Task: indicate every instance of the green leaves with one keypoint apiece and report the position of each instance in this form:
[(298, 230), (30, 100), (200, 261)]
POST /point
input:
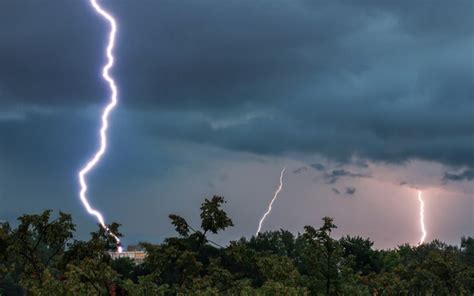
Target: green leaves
[(41, 256), (213, 218), (38, 241), (181, 226)]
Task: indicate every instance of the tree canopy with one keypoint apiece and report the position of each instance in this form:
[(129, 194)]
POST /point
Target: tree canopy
[(40, 256)]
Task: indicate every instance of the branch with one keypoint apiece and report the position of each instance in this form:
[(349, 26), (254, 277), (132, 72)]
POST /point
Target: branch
[(57, 251), (204, 234)]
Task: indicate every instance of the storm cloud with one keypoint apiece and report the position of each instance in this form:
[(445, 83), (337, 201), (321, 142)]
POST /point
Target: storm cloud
[(351, 190), (334, 176), (210, 85), (318, 166), (466, 175), (371, 78)]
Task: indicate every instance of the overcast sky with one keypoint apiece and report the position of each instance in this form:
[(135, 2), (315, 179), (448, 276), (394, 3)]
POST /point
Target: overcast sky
[(362, 101)]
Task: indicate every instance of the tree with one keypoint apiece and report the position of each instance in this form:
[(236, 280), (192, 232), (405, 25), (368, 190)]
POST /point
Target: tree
[(467, 249), (365, 259), (213, 218), (324, 254), (41, 257), (38, 243), (187, 262)]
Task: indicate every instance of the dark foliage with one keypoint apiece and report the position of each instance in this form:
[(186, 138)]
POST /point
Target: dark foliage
[(41, 257)]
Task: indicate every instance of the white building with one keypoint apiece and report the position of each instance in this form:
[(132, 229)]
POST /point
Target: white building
[(132, 253)]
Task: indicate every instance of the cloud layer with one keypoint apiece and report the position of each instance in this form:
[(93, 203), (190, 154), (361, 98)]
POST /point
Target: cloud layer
[(212, 92), (384, 81)]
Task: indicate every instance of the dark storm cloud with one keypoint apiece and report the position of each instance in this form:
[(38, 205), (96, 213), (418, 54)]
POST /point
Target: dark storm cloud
[(300, 170), (361, 163), (318, 166), (335, 175), (383, 80), (39, 144), (351, 190), (466, 175), (49, 52)]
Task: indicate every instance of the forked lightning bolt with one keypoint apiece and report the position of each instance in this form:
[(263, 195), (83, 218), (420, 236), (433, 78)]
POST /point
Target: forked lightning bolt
[(275, 195), (422, 217), (104, 120)]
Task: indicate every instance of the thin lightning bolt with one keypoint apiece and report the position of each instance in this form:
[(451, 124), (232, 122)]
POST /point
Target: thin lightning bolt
[(422, 217), (105, 115), (275, 195)]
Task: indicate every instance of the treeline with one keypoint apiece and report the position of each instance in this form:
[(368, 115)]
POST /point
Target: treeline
[(41, 257)]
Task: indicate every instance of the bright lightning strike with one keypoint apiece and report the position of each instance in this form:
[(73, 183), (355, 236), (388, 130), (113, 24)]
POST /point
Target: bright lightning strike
[(105, 115), (275, 195), (422, 218)]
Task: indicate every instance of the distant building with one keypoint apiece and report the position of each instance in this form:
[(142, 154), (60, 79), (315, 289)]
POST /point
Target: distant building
[(134, 253), (133, 248)]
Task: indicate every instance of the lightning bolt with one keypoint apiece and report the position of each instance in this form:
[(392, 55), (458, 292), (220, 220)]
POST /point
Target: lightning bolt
[(275, 195), (422, 217), (105, 116)]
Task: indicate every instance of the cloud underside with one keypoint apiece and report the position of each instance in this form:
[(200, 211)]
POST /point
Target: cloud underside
[(381, 80), (465, 175)]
